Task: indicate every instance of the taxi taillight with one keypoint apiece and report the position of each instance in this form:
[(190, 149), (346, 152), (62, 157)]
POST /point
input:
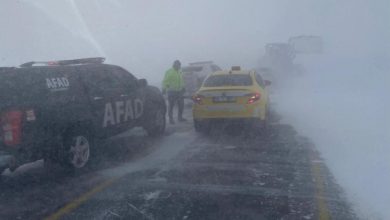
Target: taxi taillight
[(11, 127), (198, 99), (253, 97)]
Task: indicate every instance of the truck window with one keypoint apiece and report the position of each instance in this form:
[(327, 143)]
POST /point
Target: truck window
[(100, 80), (125, 78)]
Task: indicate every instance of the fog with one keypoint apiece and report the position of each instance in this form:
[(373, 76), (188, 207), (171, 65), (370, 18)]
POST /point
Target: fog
[(340, 103)]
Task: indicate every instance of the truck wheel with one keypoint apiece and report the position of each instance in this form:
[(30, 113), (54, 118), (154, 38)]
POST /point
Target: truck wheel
[(2, 171), (76, 150), (156, 121)]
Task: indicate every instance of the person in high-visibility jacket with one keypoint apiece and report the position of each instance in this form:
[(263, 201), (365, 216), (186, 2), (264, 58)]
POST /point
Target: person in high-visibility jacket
[(173, 86)]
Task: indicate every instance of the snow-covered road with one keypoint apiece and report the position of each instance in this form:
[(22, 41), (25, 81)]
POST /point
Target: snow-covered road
[(346, 115), (228, 174)]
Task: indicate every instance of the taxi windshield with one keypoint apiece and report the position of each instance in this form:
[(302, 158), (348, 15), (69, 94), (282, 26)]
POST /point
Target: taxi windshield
[(228, 80)]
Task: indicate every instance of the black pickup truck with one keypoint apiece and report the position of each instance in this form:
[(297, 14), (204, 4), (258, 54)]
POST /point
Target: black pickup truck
[(57, 110)]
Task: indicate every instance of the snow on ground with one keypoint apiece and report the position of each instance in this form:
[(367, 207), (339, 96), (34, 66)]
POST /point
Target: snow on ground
[(346, 114), (166, 149)]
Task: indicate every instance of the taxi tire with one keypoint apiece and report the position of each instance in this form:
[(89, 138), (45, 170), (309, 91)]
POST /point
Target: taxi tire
[(263, 125), (201, 127)]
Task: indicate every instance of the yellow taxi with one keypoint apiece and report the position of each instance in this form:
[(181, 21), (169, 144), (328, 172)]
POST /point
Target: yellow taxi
[(231, 95)]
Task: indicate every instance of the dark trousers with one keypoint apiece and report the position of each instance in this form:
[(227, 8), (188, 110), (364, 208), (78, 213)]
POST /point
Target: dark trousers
[(173, 98)]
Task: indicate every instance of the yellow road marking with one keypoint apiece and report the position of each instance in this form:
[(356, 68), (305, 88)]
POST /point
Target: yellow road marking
[(323, 211), (80, 200)]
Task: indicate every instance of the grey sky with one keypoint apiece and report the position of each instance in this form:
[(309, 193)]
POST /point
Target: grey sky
[(145, 36)]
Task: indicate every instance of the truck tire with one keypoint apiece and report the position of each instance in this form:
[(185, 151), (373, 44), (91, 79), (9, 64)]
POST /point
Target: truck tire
[(1, 172), (76, 149), (156, 120)]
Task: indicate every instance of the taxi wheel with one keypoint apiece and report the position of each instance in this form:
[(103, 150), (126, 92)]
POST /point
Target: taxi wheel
[(202, 127), (266, 120), (263, 124)]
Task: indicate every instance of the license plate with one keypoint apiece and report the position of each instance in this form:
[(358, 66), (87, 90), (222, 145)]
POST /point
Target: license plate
[(224, 99)]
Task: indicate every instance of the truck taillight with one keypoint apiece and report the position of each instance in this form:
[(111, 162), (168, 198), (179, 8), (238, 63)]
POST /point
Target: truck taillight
[(253, 97), (198, 99), (11, 127)]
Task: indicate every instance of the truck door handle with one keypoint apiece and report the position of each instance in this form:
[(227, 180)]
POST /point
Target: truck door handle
[(97, 98), (124, 95)]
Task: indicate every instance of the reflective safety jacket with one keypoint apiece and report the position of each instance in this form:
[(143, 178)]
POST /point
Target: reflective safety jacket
[(173, 80)]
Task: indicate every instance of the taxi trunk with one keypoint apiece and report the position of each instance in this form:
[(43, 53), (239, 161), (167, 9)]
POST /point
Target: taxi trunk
[(216, 102)]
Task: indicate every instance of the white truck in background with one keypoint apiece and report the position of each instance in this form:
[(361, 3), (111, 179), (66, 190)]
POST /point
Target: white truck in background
[(279, 61), (195, 73)]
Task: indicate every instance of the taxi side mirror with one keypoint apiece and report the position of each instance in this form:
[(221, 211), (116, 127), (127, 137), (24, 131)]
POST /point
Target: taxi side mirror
[(142, 83), (267, 83)]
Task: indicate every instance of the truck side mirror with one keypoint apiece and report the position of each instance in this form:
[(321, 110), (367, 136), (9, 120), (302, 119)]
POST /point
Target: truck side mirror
[(142, 83)]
